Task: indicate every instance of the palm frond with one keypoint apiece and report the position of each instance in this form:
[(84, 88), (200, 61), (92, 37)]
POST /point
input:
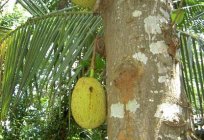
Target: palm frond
[(46, 49), (194, 18), (35, 7), (192, 52)]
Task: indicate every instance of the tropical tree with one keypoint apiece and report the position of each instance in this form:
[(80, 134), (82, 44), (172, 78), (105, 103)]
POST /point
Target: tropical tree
[(41, 60)]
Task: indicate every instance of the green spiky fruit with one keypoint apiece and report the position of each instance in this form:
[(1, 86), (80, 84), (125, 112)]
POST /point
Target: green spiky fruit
[(88, 103), (85, 3)]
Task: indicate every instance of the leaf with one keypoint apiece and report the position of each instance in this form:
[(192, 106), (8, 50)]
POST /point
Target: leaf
[(100, 63), (35, 7), (85, 63), (177, 16), (192, 69), (191, 2), (3, 32)]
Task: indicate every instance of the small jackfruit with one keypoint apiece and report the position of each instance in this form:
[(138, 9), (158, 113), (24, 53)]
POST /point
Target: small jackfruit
[(88, 104), (85, 3)]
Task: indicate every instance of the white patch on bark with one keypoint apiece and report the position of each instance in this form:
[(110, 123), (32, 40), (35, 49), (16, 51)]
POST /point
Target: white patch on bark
[(170, 137), (168, 112), (140, 57), (156, 91), (164, 1), (175, 82), (111, 83), (132, 106), (158, 48), (164, 13), (161, 91), (151, 24), (161, 68), (136, 13), (151, 100), (117, 110), (163, 79), (144, 5)]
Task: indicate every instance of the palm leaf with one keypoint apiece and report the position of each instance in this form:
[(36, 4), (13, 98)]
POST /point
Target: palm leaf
[(194, 16), (35, 7), (45, 48), (192, 52)]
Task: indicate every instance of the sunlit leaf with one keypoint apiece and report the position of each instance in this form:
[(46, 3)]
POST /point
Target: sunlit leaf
[(177, 16)]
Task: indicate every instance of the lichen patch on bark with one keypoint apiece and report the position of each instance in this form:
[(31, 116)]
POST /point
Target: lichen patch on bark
[(165, 14), (132, 106), (163, 79), (159, 47), (168, 112), (117, 110), (136, 13), (140, 57), (151, 25)]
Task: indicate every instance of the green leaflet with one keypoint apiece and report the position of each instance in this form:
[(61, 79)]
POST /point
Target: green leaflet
[(177, 16)]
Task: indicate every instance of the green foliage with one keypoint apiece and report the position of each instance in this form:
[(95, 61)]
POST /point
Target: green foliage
[(42, 59), (3, 31), (9, 20), (12, 19), (36, 8), (177, 16), (193, 18), (190, 28), (47, 52), (192, 55)]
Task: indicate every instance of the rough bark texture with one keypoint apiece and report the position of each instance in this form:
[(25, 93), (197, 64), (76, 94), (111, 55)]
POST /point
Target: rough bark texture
[(145, 100)]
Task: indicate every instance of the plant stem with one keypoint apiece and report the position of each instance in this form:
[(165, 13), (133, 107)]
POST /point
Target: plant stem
[(92, 67)]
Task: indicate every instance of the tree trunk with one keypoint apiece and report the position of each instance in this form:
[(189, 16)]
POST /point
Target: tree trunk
[(145, 100)]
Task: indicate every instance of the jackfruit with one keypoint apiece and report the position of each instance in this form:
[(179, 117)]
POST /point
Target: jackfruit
[(88, 104), (85, 3)]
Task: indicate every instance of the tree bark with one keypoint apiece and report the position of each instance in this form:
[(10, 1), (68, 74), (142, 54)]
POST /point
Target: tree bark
[(145, 100)]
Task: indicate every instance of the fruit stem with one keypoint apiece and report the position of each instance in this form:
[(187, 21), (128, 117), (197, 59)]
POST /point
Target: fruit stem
[(92, 67), (91, 73)]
